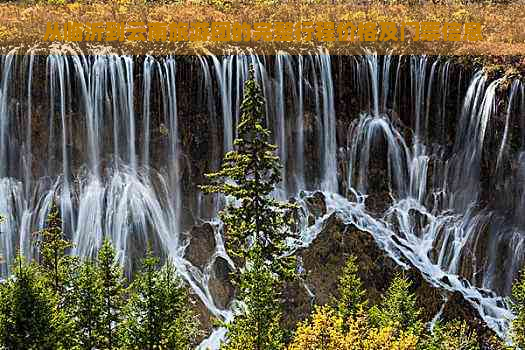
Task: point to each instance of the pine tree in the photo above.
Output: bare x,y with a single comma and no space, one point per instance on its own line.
53,247
256,227
398,308
249,174
85,305
351,298
26,310
112,281
158,313
180,322
258,327
57,268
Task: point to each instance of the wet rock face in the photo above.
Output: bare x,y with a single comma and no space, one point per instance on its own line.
322,262
316,207
206,319
456,307
201,246
297,303
324,259
200,252
220,286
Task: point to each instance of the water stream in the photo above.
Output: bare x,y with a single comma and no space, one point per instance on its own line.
430,166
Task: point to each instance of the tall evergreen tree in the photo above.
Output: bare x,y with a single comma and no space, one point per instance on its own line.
352,296
256,227
258,326
26,310
399,307
85,306
158,313
112,281
57,267
250,173
53,247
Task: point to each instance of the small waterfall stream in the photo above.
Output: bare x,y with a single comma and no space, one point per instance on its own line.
399,149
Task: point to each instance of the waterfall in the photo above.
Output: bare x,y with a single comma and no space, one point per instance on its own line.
222,74
400,150
299,124
148,72
329,149
280,121
5,144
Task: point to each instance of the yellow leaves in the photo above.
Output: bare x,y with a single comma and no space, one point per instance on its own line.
122,6
461,15
407,341
389,338
163,130
325,331
379,339
56,2
4,35
74,7
502,25
356,16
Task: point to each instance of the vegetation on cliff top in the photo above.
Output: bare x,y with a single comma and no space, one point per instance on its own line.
25,24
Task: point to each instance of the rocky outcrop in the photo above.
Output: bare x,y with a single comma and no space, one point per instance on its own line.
456,307
206,319
220,285
325,257
316,207
199,252
222,291
201,246
322,262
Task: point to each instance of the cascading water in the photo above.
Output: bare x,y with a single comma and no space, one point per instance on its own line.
120,144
